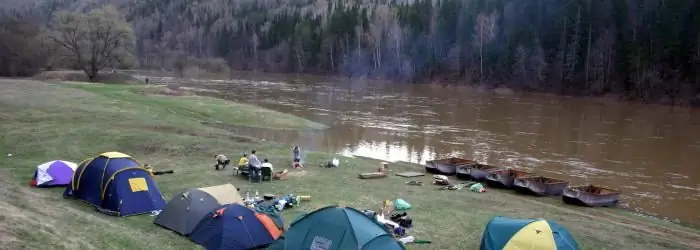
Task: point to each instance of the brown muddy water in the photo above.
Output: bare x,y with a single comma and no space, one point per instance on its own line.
651,153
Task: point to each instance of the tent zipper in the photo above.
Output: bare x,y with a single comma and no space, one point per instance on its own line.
247,231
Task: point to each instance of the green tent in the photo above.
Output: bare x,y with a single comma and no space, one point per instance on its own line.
337,228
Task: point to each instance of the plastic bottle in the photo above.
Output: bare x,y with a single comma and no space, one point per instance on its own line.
257,195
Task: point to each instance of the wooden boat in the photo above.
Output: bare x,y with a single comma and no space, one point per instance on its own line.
475,172
539,185
503,178
446,166
373,175
591,196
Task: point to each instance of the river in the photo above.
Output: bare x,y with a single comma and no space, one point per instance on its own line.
650,152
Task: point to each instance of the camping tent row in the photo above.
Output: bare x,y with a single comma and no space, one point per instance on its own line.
337,228
112,182
214,218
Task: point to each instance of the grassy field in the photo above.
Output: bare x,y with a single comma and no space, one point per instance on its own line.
42,122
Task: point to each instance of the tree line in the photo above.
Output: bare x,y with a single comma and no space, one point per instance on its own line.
646,49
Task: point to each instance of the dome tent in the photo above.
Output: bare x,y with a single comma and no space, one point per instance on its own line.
186,209
510,234
54,173
336,228
235,227
116,184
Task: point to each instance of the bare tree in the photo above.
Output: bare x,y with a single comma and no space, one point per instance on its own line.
301,34
530,66
396,34
377,30
485,33
255,43
94,40
520,67
538,63
601,61
375,38
180,62
328,51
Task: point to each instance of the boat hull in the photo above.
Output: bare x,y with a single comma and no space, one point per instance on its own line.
476,172
445,166
590,196
539,185
504,178
462,173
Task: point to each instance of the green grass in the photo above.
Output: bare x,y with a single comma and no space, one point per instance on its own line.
42,122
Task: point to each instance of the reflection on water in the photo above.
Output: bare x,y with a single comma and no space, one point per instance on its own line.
649,152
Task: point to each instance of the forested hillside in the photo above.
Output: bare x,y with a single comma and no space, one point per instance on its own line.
644,49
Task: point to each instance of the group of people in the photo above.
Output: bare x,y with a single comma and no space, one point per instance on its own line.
254,166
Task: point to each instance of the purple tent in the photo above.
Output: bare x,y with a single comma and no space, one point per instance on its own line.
54,173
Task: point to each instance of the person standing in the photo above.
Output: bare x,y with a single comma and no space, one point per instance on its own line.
297,154
254,165
221,160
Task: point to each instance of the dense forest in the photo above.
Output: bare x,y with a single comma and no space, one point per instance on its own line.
639,49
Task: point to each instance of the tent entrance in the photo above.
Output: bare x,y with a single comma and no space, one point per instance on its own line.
325,238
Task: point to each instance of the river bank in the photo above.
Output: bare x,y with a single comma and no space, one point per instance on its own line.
70,121
498,88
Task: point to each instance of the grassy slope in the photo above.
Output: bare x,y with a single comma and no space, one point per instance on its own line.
41,122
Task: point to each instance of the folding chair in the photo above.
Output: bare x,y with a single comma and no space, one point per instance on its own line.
266,174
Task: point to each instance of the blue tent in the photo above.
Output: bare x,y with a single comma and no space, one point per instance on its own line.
510,234
337,228
235,227
115,183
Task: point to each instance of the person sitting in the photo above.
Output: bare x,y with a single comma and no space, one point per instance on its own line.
275,175
267,164
221,160
266,170
243,163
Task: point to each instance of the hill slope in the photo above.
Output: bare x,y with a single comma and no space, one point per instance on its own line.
647,50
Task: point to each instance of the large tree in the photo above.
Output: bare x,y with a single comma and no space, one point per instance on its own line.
21,46
94,40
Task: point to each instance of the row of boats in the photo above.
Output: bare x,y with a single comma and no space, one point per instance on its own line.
525,182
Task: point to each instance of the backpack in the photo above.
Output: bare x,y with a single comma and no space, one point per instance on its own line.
402,219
